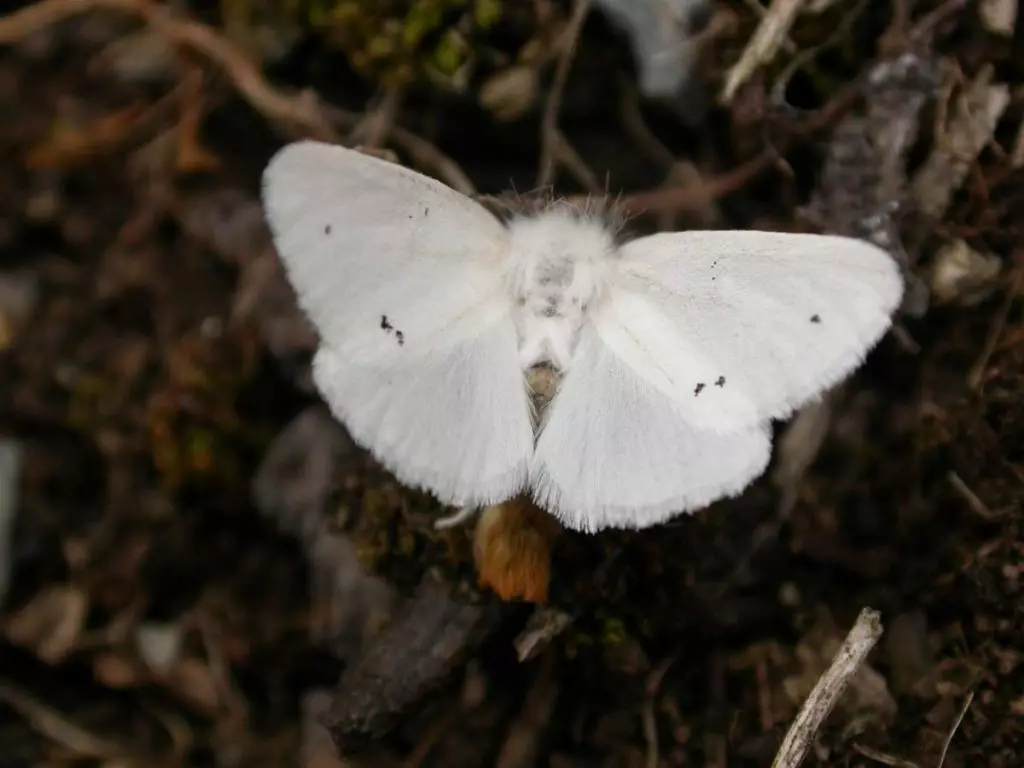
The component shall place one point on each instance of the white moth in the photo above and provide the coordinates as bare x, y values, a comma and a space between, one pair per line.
677, 350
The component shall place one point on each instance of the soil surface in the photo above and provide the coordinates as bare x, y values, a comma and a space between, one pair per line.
203, 569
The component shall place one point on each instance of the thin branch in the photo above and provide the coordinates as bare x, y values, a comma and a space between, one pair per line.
650, 724
549, 134
977, 372
771, 33
955, 728
58, 728
373, 128
829, 688
424, 154
673, 200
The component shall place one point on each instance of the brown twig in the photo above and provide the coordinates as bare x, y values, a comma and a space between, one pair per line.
526, 731
58, 728
674, 200
881, 757
649, 723
992, 340
974, 502
424, 154
567, 156
677, 199
373, 128
550, 136
634, 124
933, 18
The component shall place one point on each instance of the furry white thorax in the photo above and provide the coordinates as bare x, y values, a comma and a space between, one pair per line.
558, 263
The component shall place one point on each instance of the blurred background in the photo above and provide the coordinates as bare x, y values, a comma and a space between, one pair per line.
199, 568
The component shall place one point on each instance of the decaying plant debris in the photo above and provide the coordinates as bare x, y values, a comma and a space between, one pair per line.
202, 569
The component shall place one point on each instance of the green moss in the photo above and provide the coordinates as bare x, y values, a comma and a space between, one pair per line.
450, 53
486, 13
393, 42
196, 433
391, 528
613, 630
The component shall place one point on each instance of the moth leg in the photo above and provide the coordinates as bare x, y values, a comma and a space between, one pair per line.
461, 516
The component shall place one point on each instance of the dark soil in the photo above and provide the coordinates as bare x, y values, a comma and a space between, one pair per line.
181, 482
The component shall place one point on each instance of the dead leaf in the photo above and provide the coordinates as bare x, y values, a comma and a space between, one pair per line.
117, 670
51, 623
963, 275
509, 94
999, 16
159, 645
69, 145
544, 624
968, 131
195, 683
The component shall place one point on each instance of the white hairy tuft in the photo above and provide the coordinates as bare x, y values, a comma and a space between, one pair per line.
558, 267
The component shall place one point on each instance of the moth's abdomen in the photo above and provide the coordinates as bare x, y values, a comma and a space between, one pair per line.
558, 267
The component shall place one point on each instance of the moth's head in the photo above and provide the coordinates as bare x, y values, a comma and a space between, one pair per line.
558, 262
561, 232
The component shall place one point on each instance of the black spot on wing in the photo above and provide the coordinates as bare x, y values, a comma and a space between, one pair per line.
698, 389
327, 229
720, 382
387, 327
815, 318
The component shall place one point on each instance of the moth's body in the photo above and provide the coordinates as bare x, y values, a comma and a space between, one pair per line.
676, 350
558, 265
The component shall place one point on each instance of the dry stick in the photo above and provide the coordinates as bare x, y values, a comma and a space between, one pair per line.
977, 372
650, 724
955, 728
549, 135
373, 128
881, 757
977, 506
899, 762
932, 19
838, 36
771, 33
829, 688
58, 728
